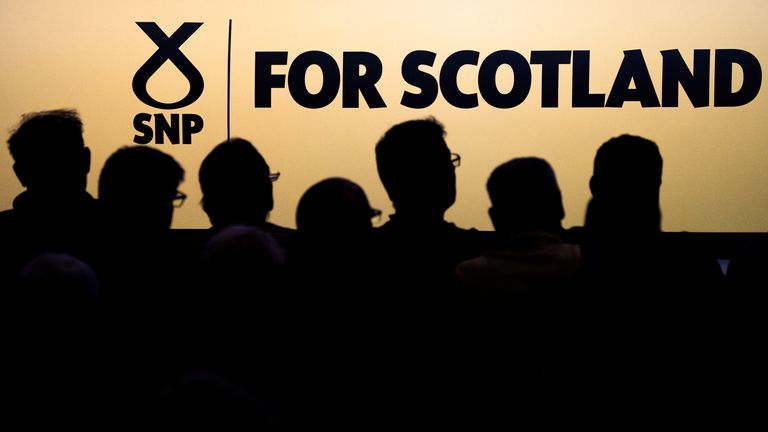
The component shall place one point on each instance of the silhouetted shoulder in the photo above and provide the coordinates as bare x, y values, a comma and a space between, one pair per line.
525, 261
286, 237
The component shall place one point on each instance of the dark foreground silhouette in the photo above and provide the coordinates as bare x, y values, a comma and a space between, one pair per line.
115, 321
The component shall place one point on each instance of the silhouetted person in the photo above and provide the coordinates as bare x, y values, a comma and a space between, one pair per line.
650, 301
138, 189
416, 253
526, 210
240, 294
623, 221
243, 267
238, 324
418, 172
333, 218
144, 276
54, 213
416, 168
334, 207
515, 297
625, 189
237, 189
331, 269
58, 358
60, 284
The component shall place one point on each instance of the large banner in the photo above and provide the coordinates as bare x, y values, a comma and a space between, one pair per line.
314, 85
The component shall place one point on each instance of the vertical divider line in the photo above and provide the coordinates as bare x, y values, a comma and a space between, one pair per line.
229, 74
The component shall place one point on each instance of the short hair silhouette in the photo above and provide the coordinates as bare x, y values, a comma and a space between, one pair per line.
334, 207
60, 284
137, 187
242, 268
627, 166
245, 248
525, 196
49, 152
236, 184
414, 165
625, 185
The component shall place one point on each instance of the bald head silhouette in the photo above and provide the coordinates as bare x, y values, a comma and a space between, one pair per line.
333, 208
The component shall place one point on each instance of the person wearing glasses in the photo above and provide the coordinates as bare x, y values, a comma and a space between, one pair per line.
141, 270
418, 172
415, 253
138, 189
333, 220
237, 189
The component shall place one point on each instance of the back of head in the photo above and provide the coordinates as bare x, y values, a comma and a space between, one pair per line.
334, 208
236, 184
414, 165
49, 153
625, 184
62, 283
60, 301
525, 196
242, 265
137, 187
627, 167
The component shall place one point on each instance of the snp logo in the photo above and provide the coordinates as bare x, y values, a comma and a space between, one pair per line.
178, 128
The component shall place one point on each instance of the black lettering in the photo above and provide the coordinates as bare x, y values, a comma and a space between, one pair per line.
354, 84
582, 98
163, 128
419, 79
448, 79
550, 62
190, 125
633, 68
142, 126
297, 74
675, 73
486, 79
753, 77
265, 79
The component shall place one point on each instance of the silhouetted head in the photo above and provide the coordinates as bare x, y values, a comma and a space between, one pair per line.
242, 265
138, 186
61, 284
59, 295
525, 197
49, 154
625, 184
236, 184
334, 207
415, 167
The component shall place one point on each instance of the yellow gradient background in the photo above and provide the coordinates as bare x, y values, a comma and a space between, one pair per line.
83, 54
